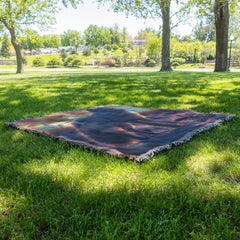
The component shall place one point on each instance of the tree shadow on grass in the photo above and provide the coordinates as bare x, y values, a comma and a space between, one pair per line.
110, 198
42, 206
37, 95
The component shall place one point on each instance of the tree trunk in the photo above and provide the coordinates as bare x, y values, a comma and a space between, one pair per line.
165, 8
221, 12
17, 48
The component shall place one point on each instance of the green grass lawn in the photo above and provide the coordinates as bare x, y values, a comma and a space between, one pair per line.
52, 190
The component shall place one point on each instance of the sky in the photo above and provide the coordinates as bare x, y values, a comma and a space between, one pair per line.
88, 13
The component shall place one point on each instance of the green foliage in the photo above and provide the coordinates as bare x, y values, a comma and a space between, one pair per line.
205, 33
71, 38
236, 52
139, 51
125, 50
138, 8
51, 41
205, 7
68, 60
5, 49
86, 52
138, 62
145, 35
73, 61
150, 62
97, 62
18, 14
115, 47
31, 40
178, 60
234, 25
154, 48
195, 57
175, 64
126, 59
119, 60
97, 36
115, 35
192, 50
109, 47
73, 3
124, 35
105, 51
38, 62
96, 50
77, 62
131, 46
74, 51
63, 54
54, 62
204, 55
118, 52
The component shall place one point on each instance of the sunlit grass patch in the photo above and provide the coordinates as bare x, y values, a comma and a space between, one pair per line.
53, 190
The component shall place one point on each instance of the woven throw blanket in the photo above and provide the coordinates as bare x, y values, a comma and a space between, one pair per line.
133, 132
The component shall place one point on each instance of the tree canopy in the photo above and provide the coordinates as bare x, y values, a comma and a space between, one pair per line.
5, 49
145, 9
17, 15
97, 36
71, 38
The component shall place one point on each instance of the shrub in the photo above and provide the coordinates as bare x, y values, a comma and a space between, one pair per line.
175, 64
73, 61
131, 46
150, 62
126, 59
74, 51
195, 56
115, 46
125, 50
54, 62
130, 63
180, 54
154, 48
119, 60
86, 52
97, 62
63, 54
68, 60
211, 57
105, 52
38, 62
76, 62
109, 61
178, 60
203, 59
138, 62
109, 48
96, 50
118, 52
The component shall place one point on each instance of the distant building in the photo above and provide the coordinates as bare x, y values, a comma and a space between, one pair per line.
82, 48
137, 43
48, 50
33, 52
67, 48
